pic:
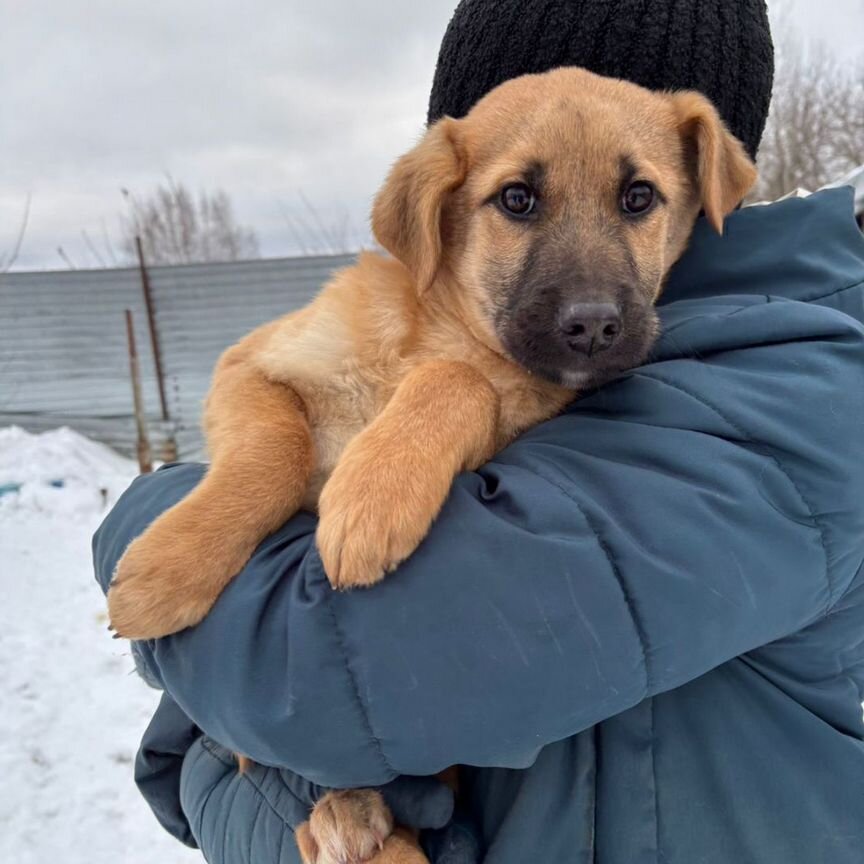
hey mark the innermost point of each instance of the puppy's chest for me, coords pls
(342, 404)
(524, 402)
(339, 409)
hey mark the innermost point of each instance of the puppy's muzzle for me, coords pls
(589, 328)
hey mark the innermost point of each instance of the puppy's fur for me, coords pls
(407, 370)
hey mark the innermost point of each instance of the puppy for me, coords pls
(529, 242)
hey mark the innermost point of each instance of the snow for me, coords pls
(72, 709)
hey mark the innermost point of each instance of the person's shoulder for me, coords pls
(801, 248)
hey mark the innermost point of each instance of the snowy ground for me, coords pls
(71, 708)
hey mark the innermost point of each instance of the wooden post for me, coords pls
(151, 324)
(169, 444)
(145, 463)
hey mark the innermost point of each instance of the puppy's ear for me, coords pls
(407, 214)
(724, 172)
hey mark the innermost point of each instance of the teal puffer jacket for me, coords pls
(642, 624)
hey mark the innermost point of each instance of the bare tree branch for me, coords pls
(93, 250)
(66, 259)
(109, 246)
(313, 235)
(325, 232)
(296, 232)
(175, 228)
(815, 131)
(8, 260)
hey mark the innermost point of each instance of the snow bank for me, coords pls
(59, 472)
(72, 711)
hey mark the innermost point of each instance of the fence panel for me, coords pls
(63, 358)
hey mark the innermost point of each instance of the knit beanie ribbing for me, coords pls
(722, 48)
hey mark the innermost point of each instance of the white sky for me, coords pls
(287, 97)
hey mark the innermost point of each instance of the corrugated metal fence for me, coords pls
(63, 356)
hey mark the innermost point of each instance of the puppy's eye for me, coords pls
(638, 198)
(518, 200)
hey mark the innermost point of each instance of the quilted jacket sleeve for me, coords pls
(707, 504)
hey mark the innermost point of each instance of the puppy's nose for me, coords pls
(590, 327)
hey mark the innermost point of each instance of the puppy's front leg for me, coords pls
(394, 476)
(261, 445)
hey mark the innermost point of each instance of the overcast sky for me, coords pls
(268, 100)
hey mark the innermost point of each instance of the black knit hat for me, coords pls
(721, 47)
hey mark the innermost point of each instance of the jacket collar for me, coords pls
(805, 249)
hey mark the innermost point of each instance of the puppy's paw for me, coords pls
(169, 578)
(371, 520)
(347, 827)
(401, 847)
(153, 594)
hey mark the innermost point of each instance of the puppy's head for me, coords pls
(550, 216)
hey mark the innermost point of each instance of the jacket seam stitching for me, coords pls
(355, 686)
(746, 436)
(206, 799)
(859, 284)
(616, 572)
(258, 809)
(259, 789)
(853, 582)
(225, 829)
(281, 846)
(209, 746)
(654, 777)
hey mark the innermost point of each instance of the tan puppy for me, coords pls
(529, 242)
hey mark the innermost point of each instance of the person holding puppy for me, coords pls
(650, 606)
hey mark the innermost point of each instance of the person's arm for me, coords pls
(707, 504)
(196, 792)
